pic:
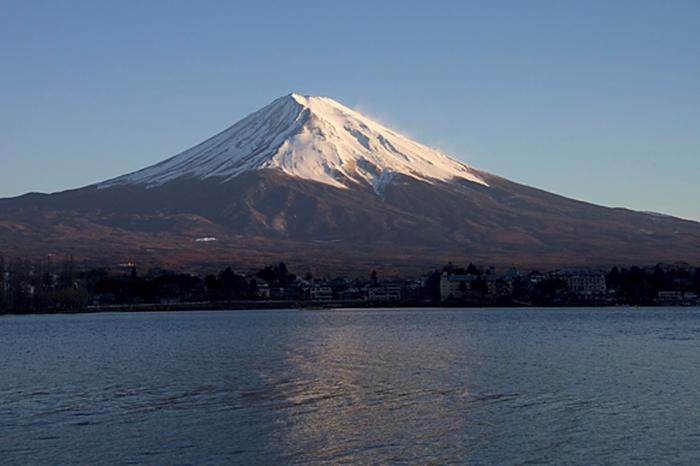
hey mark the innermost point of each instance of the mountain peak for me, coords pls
(309, 137)
(309, 100)
(299, 98)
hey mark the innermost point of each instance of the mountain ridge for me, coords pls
(259, 193)
(310, 137)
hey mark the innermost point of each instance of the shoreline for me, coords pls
(312, 306)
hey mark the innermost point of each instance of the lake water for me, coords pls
(584, 386)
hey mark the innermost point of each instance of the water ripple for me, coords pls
(352, 387)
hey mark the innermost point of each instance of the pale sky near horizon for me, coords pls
(595, 100)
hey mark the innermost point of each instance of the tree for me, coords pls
(67, 278)
(480, 285)
(374, 278)
(473, 270)
(613, 280)
(463, 286)
(232, 285)
(212, 286)
(549, 290)
(276, 275)
(20, 288)
(282, 274)
(72, 298)
(659, 281)
(519, 288)
(432, 286)
(635, 287)
(3, 298)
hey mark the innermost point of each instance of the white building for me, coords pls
(320, 293)
(582, 281)
(454, 286)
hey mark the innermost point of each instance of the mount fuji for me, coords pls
(309, 137)
(318, 185)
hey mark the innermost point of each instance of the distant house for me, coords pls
(103, 299)
(353, 293)
(340, 283)
(385, 294)
(669, 298)
(277, 292)
(453, 286)
(320, 293)
(534, 278)
(498, 286)
(413, 289)
(585, 282)
(263, 289)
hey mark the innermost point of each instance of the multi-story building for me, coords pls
(385, 294)
(453, 286)
(585, 282)
(320, 293)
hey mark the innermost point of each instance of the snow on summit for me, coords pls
(309, 137)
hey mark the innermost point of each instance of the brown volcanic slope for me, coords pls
(311, 182)
(265, 216)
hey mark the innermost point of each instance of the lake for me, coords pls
(422, 386)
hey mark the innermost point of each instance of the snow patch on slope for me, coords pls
(309, 137)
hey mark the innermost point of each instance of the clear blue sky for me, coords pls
(597, 100)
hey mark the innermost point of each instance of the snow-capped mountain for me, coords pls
(309, 137)
(318, 185)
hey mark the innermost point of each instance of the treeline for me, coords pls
(26, 285)
(32, 286)
(160, 286)
(46, 286)
(642, 285)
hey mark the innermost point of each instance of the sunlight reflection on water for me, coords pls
(353, 386)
